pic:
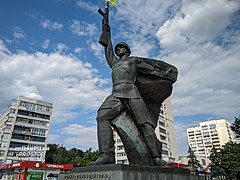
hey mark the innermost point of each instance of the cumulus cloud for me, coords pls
(138, 20)
(76, 136)
(207, 70)
(196, 22)
(61, 47)
(63, 80)
(47, 24)
(83, 29)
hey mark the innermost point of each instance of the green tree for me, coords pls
(50, 154)
(192, 159)
(236, 126)
(59, 154)
(90, 155)
(230, 159)
(216, 168)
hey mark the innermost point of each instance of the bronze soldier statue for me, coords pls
(125, 97)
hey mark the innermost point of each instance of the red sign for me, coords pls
(40, 165)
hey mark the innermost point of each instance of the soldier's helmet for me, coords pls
(122, 44)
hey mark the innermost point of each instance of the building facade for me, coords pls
(24, 129)
(210, 133)
(165, 132)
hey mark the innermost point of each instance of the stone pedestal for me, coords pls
(128, 172)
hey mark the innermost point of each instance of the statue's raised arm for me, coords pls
(105, 37)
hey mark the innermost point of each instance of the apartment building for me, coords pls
(24, 129)
(212, 132)
(165, 132)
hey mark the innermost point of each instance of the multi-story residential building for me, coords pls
(24, 129)
(165, 133)
(212, 132)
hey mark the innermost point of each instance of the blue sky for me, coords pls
(49, 50)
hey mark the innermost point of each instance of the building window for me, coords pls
(119, 140)
(38, 132)
(162, 130)
(8, 127)
(2, 153)
(12, 110)
(161, 112)
(23, 104)
(212, 126)
(10, 119)
(164, 152)
(15, 144)
(37, 139)
(121, 154)
(3, 144)
(161, 123)
(5, 136)
(31, 114)
(163, 137)
(119, 147)
(31, 107)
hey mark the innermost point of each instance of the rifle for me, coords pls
(103, 39)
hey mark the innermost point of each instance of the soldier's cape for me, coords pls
(155, 86)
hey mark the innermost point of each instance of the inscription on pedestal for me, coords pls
(87, 176)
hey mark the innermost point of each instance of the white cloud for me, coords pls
(197, 22)
(207, 81)
(61, 47)
(78, 50)
(83, 29)
(47, 24)
(139, 20)
(19, 34)
(207, 70)
(97, 50)
(87, 5)
(77, 28)
(3, 50)
(45, 43)
(54, 139)
(63, 80)
(76, 136)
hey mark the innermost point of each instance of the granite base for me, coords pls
(128, 172)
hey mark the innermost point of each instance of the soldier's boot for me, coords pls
(106, 147)
(155, 150)
(105, 159)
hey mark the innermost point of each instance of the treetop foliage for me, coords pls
(236, 126)
(60, 155)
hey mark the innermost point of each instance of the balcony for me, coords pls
(22, 132)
